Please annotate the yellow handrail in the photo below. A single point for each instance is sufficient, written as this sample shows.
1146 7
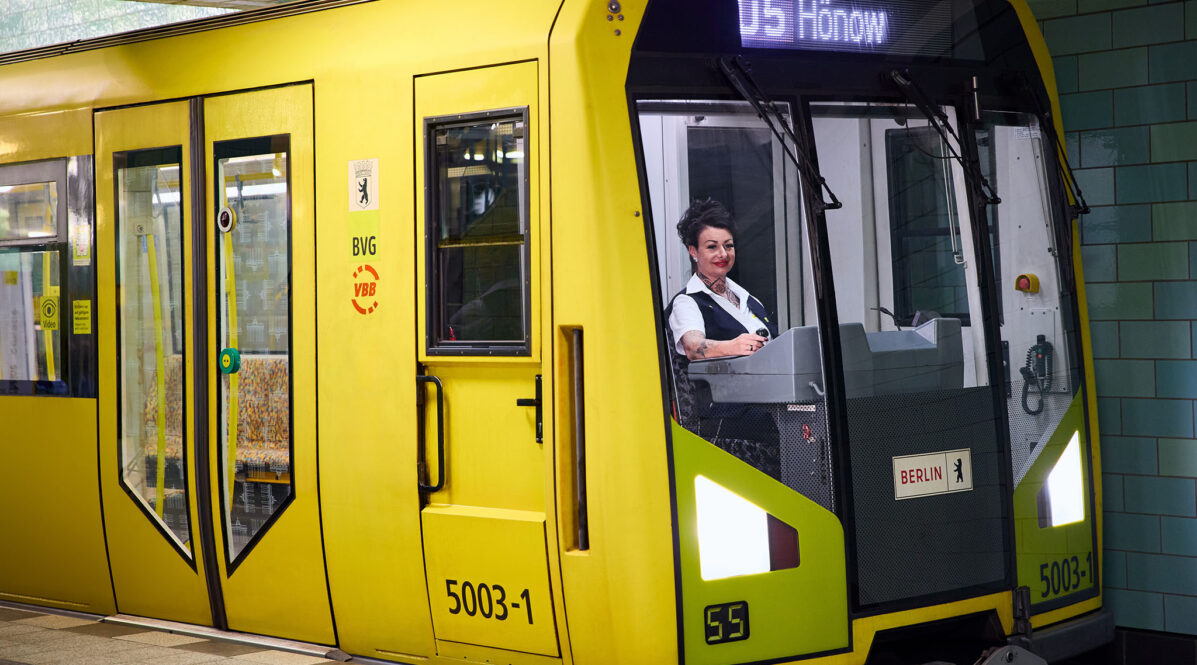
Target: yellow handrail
50 370
160 367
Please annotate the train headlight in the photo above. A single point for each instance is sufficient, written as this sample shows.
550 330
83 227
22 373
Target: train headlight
733 534
1065 487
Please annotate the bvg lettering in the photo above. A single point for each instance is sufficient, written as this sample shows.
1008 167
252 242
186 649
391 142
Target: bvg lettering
365 246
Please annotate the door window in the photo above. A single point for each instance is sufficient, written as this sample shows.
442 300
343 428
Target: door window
253 249
478 239
151 368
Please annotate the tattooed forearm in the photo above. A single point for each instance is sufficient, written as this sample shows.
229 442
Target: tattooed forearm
696 345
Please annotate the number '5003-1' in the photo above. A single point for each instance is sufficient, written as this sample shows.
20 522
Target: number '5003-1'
488 601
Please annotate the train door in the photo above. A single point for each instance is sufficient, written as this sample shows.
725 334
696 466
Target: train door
482 248
261 327
144 312
208 430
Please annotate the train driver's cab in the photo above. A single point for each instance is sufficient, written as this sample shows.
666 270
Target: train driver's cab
893 268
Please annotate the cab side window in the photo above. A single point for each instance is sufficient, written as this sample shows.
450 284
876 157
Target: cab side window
33 268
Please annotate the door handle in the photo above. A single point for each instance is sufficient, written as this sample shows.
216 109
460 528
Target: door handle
440 432
536 402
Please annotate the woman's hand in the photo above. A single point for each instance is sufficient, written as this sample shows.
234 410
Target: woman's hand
744 345
698 347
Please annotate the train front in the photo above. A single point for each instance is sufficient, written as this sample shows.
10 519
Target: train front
905 469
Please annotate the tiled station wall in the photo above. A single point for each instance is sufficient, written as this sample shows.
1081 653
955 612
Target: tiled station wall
1127 73
32 23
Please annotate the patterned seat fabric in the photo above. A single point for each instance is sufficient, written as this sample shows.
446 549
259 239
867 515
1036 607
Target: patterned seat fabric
264 419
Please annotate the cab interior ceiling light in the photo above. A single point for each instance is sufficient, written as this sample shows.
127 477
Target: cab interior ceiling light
1065 487
733 534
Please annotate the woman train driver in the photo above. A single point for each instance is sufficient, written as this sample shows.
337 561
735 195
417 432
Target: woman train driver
713 316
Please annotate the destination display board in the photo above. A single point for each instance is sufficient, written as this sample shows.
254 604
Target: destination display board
898 27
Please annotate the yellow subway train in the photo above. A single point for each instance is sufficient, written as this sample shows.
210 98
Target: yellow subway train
563 331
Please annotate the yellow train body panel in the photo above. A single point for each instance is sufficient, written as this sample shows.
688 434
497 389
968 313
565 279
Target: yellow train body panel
361 557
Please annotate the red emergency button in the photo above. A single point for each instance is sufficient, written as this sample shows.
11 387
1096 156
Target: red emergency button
1027 283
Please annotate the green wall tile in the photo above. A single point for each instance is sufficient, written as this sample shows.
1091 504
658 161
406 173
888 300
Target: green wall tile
1106 224
1066 77
1174 221
1103 335
1072 144
1154 260
1128 454
1171 418
1176 378
1180 614
1109 415
1111 492
1191 19
1136 609
1114 573
1096 184
1100 263
1154 339
1087 110
1086 6
1161 572
1112 69
1178 457
1176 300
1078 34
1151 184
1192 259
1194 346
1125 378
1111 147
1174 62
1150 25
1132 533
1109 302
1193 174
1179 535
1044 9
1149 104
1174 142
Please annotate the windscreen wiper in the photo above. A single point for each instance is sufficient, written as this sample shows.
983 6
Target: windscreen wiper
939 120
1079 206
736 71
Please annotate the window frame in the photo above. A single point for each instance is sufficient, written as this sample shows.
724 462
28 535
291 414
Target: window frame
434 309
24 173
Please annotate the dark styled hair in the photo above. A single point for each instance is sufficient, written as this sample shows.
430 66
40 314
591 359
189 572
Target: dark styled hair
701 214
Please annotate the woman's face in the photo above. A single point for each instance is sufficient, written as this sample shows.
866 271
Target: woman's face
715 253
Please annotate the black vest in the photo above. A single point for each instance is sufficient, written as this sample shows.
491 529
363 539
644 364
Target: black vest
719 323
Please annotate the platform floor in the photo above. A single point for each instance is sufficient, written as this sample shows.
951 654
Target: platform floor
33 638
